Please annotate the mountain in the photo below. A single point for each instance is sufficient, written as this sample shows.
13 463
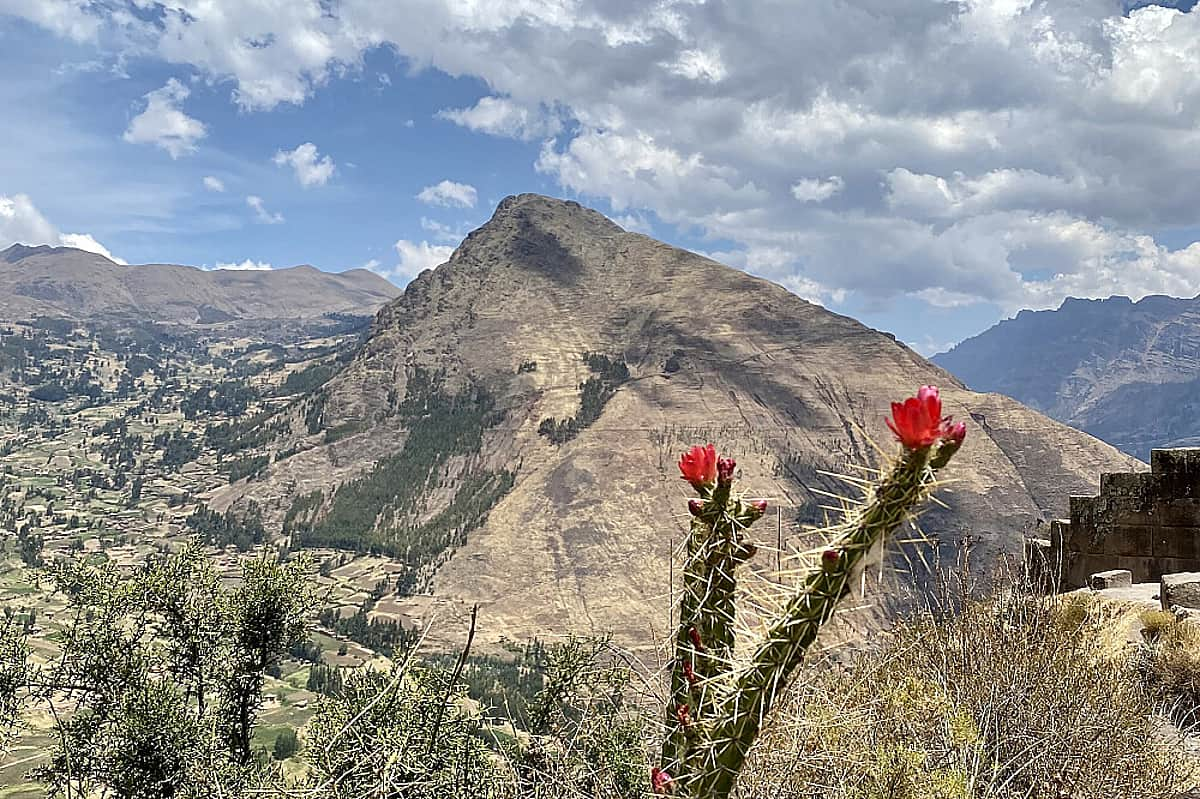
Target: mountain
1126 372
63 281
509 430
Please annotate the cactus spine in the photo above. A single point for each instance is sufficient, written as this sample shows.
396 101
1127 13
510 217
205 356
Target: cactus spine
716 708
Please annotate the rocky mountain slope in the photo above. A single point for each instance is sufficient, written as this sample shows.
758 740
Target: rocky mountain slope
62 281
511 425
1126 372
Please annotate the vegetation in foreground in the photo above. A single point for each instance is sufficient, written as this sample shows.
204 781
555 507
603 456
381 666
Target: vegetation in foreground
159 683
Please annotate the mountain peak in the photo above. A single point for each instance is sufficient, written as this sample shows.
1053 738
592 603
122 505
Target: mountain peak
19 251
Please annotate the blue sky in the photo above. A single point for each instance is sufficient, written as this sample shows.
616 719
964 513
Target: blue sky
927 167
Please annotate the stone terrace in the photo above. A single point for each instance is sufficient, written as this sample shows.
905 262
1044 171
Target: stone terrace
1146 522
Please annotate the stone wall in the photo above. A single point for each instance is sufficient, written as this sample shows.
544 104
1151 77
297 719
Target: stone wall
1146 522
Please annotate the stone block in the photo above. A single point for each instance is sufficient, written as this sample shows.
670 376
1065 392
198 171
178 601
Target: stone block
1175 460
1177 512
1114 578
1180 590
1128 539
1177 542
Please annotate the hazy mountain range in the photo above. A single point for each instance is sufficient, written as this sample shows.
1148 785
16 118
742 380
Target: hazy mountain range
62 281
1127 372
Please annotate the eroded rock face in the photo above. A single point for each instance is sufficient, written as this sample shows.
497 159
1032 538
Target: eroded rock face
583 541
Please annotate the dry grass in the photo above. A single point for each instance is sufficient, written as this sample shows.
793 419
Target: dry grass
1013 697
1170 663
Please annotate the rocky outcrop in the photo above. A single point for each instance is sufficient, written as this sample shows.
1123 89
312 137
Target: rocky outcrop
1126 372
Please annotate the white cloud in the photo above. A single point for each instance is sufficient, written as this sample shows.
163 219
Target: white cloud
213 183
449 194
311 168
164 124
500 116
22 223
414 258
1003 152
816 190
69 18
261 213
86 242
444 232
246 266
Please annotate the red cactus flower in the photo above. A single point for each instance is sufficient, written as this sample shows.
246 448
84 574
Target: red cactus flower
918 422
661 781
699 466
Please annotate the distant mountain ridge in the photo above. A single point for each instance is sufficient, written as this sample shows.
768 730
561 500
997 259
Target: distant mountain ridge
511 424
63 281
1127 372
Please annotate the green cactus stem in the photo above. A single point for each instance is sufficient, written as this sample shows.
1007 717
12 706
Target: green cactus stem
717 709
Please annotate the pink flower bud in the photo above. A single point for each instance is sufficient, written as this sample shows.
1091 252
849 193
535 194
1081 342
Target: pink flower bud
661 781
695 506
956 433
725 467
830 559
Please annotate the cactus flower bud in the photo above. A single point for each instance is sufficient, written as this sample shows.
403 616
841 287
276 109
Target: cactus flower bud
699 466
661 782
697 642
759 505
689 674
683 714
956 433
829 559
695 506
725 467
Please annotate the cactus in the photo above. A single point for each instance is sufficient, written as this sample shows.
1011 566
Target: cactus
717 707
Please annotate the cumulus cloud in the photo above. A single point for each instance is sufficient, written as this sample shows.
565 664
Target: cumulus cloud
449 194
245 266
311 168
261 214
88 243
414 258
816 190
1008 153
164 124
22 223
500 116
213 183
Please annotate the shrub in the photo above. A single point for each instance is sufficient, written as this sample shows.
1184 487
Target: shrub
1002 699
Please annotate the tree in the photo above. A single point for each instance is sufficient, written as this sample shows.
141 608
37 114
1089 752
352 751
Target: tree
286 744
131 732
